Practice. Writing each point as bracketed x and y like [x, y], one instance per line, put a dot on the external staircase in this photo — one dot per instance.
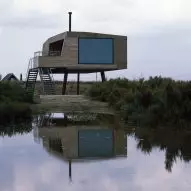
[45, 76]
[47, 81]
[31, 80]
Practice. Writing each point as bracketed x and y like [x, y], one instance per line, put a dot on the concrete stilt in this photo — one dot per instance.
[64, 83]
[78, 83]
[103, 76]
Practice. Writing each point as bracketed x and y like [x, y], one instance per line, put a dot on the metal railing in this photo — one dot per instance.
[54, 53]
[33, 62]
[38, 53]
[49, 53]
[52, 78]
[30, 65]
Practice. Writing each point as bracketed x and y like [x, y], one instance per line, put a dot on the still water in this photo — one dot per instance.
[50, 154]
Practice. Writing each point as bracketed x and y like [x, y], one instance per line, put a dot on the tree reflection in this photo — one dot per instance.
[14, 128]
[175, 144]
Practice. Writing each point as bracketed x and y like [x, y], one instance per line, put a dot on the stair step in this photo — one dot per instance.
[33, 69]
[32, 78]
[32, 75]
[47, 81]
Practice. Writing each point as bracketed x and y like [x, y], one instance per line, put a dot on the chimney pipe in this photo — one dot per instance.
[70, 21]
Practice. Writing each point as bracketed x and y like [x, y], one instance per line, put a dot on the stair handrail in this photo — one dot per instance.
[52, 78]
[41, 72]
[29, 67]
[35, 58]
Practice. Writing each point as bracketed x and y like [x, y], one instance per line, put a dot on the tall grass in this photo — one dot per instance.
[156, 101]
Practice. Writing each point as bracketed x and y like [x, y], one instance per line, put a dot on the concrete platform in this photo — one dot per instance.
[72, 103]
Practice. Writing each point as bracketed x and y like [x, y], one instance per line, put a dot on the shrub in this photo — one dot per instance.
[14, 102]
[156, 100]
[11, 91]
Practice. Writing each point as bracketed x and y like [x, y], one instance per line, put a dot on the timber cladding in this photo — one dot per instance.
[69, 52]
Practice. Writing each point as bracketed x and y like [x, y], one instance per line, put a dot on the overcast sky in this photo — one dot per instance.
[159, 32]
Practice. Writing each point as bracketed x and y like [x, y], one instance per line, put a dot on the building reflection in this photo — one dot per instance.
[79, 142]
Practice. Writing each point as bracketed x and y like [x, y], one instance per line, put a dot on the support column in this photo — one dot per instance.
[103, 76]
[78, 84]
[64, 83]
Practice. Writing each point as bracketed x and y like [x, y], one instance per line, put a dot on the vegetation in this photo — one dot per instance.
[14, 102]
[154, 102]
[15, 128]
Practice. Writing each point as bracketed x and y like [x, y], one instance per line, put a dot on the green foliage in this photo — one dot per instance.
[153, 102]
[13, 92]
[14, 102]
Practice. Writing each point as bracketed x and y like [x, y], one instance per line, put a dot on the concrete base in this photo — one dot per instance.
[75, 103]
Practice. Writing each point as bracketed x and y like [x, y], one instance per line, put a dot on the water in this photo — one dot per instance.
[48, 158]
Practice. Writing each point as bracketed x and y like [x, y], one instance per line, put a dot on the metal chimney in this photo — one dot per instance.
[70, 21]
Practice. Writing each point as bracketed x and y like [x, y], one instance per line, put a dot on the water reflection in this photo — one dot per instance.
[13, 129]
[67, 138]
[175, 144]
[55, 160]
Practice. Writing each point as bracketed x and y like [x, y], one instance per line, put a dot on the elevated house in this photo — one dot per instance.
[74, 52]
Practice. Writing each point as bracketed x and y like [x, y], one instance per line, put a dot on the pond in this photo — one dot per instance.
[55, 152]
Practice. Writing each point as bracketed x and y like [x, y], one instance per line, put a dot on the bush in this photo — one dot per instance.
[11, 91]
[14, 111]
[155, 101]
[14, 102]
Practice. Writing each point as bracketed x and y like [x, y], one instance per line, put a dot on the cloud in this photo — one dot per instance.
[130, 15]
[158, 32]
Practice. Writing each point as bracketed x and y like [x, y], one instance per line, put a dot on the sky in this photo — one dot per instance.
[159, 32]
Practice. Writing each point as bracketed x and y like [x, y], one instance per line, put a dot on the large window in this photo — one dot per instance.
[95, 51]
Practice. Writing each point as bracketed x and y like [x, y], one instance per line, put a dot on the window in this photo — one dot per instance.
[95, 51]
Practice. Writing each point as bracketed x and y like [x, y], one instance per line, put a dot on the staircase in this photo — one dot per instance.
[47, 81]
[31, 80]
